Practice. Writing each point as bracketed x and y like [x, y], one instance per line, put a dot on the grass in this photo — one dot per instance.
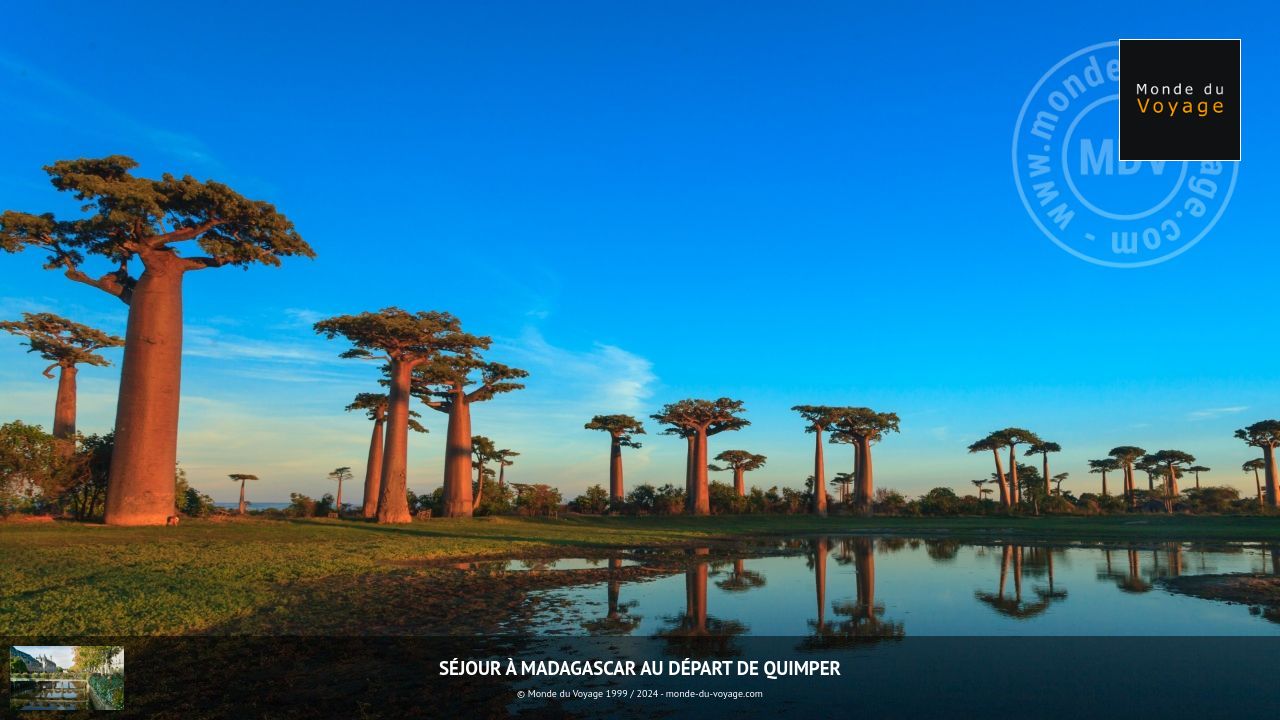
[349, 577]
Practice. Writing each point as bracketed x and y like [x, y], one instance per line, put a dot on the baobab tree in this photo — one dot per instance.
[1058, 480]
[128, 220]
[740, 462]
[1265, 435]
[1254, 466]
[1127, 456]
[1043, 448]
[241, 478]
[450, 378]
[503, 458]
[1104, 466]
[861, 427]
[1197, 469]
[698, 420]
[375, 406]
[621, 429]
[405, 341]
[977, 484]
[817, 418]
[1013, 437]
[340, 475]
[994, 443]
[1170, 462]
[845, 481]
[65, 344]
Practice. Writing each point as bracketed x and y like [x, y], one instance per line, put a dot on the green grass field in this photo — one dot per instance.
[328, 576]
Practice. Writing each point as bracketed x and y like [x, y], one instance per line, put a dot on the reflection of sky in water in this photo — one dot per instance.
[938, 596]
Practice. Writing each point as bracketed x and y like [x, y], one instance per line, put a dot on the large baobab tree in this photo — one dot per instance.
[1254, 466]
[1104, 466]
[1128, 456]
[127, 220]
[241, 478]
[698, 420]
[817, 419]
[993, 443]
[375, 406]
[861, 427]
[621, 429]
[740, 462]
[1043, 448]
[340, 475]
[65, 344]
[450, 378]
[1170, 463]
[1013, 437]
[405, 341]
[1197, 469]
[1265, 435]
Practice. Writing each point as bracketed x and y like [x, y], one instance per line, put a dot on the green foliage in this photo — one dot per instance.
[939, 501]
[129, 217]
[709, 417]
[595, 501]
[375, 407]
[1264, 433]
[190, 501]
[61, 341]
[1212, 499]
[620, 427]
[724, 499]
[537, 499]
[735, 459]
[33, 469]
[646, 499]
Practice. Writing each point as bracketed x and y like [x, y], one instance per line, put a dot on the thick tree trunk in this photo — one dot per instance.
[502, 476]
[689, 474]
[696, 596]
[1104, 484]
[373, 469]
[1173, 482]
[143, 463]
[615, 471]
[64, 410]
[1197, 479]
[393, 501]
[1046, 473]
[457, 458]
[819, 479]
[240, 508]
[700, 501]
[1273, 491]
[739, 482]
[864, 478]
[1015, 490]
[1004, 485]
[338, 500]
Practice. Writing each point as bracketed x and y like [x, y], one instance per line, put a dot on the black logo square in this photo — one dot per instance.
[1179, 99]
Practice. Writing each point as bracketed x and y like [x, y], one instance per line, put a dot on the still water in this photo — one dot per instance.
[51, 695]
[857, 586]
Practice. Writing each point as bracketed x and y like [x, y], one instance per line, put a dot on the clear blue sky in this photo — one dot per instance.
[779, 204]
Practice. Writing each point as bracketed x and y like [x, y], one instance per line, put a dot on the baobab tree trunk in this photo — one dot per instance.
[393, 503]
[1128, 485]
[502, 476]
[1104, 483]
[1258, 484]
[338, 501]
[141, 485]
[615, 471]
[64, 409]
[457, 458]
[240, 508]
[1015, 492]
[863, 477]
[739, 482]
[1197, 479]
[1045, 456]
[1004, 486]
[700, 502]
[1273, 492]
[373, 470]
[689, 478]
[695, 586]
[479, 486]
[819, 481]
[1173, 482]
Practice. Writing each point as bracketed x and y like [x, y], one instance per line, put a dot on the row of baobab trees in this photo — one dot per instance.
[1125, 459]
[129, 221]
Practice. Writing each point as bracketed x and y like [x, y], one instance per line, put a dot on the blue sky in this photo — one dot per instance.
[642, 204]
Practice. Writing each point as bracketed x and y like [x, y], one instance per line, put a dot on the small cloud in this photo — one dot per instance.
[1212, 413]
[302, 317]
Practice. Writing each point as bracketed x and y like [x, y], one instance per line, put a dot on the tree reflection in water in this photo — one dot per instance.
[695, 631]
[1012, 605]
[618, 620]
[860, 621]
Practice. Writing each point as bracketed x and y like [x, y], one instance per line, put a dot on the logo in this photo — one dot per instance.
[1107, 211]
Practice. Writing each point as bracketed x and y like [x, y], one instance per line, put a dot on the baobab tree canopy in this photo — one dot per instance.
[622, 427]
[396, 334]
[699, 419]
[739, 460]
[61, 341]
[133, 217]
[375, 403]
[1265, 433]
